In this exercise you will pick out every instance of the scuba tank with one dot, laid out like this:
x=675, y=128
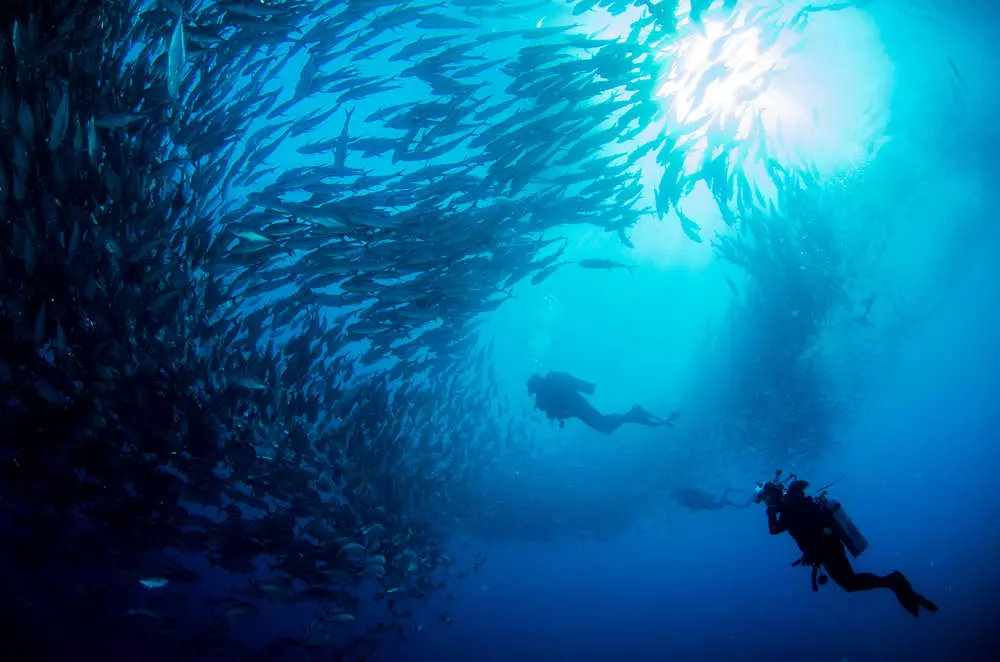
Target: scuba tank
x=575, y=383
x=844, y=527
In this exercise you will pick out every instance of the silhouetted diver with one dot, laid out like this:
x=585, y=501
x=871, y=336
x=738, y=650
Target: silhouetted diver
x=695, y=499
x=824, y=534
x=558, y=394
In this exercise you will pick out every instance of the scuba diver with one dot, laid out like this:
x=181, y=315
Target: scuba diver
x=822, y=530
x=694, y=499
x=559, y=395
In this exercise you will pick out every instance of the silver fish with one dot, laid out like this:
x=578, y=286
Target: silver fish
x=60, y=120
x=175, y=59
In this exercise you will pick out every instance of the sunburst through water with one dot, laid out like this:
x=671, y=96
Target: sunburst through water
x=777, y=81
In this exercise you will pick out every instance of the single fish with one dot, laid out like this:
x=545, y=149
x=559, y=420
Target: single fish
x=60, y=120
x=862, y=319
x=690, y=228
x=624, y=238
x=958, y=74
x=176, y=58
x=251, y=383
x=543, y=274
x=732, y=285
x=340, y=155
x=118, y=120
x=604, y=264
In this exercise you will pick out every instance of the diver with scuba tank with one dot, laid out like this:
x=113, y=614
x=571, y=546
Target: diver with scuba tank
x=822, y=531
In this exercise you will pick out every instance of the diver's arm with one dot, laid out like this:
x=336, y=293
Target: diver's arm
x=774, y=523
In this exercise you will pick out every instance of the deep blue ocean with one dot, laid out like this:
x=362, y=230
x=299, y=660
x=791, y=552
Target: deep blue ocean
x=891, y=391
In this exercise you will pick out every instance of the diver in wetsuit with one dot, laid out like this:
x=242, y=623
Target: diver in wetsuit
x=560, y=396
x=821, y=530
x=694, y=499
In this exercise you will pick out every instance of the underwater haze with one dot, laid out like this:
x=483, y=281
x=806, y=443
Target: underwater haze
x=279, y=281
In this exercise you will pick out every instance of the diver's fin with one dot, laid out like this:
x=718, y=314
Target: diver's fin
x=908, y=598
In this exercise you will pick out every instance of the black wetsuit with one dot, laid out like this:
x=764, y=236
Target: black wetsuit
x=813, y=528
x=560, y=396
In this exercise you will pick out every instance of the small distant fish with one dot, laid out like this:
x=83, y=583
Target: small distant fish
x=154, y=582
x=690, y=228
x=118, y=121
x=340, y=154
x=958, y=74
x=862, y=319
x=625, y=239
x=94, y=147
x=251, y=383
x=60, y=119
x=254, y=237
x=868, y=303
x=878, y=144
x=543, y=274
x=604, y=264
x=732, y=285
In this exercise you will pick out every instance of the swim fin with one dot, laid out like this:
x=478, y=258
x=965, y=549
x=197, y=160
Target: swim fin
x=639, y=415
x=908, y=598
x=927, y=604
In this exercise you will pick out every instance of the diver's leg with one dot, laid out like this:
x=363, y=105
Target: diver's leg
x=724, y=500
x=727, y=502
x=840, y=570
x=640, y=416
x=603, y=423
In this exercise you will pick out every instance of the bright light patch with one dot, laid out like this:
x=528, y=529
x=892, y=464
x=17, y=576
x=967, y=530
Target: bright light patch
x=717, y=76
x=807, y=89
